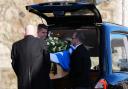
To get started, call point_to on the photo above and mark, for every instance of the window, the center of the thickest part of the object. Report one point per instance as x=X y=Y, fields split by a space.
x=119 y=46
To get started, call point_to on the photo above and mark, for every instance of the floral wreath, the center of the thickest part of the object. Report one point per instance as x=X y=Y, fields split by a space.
x=56 y=45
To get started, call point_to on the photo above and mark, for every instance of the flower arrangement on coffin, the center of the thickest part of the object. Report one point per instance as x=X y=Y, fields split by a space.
x=56 y=45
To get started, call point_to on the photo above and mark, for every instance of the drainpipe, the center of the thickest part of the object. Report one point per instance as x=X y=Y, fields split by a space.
x=123 y=12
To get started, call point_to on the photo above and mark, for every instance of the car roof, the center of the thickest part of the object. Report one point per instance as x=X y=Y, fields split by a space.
x=111 y=27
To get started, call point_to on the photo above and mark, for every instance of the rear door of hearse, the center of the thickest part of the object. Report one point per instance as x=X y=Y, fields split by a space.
x=66 y=13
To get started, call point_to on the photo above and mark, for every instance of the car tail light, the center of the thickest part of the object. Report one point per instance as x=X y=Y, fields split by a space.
x=102 y=84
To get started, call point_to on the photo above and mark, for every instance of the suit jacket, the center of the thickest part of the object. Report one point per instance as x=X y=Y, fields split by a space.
x=80 y=67
x=31 y=63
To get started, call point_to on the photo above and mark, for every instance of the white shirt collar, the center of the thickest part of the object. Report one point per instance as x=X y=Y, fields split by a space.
x=74 y=47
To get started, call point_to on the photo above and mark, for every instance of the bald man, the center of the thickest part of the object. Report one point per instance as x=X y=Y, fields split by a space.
x=29 y=62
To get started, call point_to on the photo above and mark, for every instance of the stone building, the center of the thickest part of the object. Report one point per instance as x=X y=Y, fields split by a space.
x=14 y=17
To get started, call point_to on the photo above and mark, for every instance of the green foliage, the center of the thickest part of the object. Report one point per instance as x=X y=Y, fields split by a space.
x=55 y=44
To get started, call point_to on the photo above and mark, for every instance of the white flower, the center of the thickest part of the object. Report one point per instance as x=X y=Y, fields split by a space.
x=52 y=43
x=48 y=43
x=55 y=38
x=50 y=38
x=55 y=44
x=59 y=48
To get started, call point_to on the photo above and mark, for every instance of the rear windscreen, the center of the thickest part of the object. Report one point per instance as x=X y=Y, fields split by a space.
x=81 y=12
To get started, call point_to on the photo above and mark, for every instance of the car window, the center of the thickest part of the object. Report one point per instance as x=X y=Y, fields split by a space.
x=82 y=12
x=119 y=47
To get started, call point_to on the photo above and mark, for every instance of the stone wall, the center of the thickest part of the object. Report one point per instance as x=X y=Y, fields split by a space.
x=115 y=11
x=13 y=19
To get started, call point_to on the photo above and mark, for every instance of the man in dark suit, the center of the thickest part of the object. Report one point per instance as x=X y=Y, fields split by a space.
x=80 y=63
x=42 y=31
x=30 y=61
